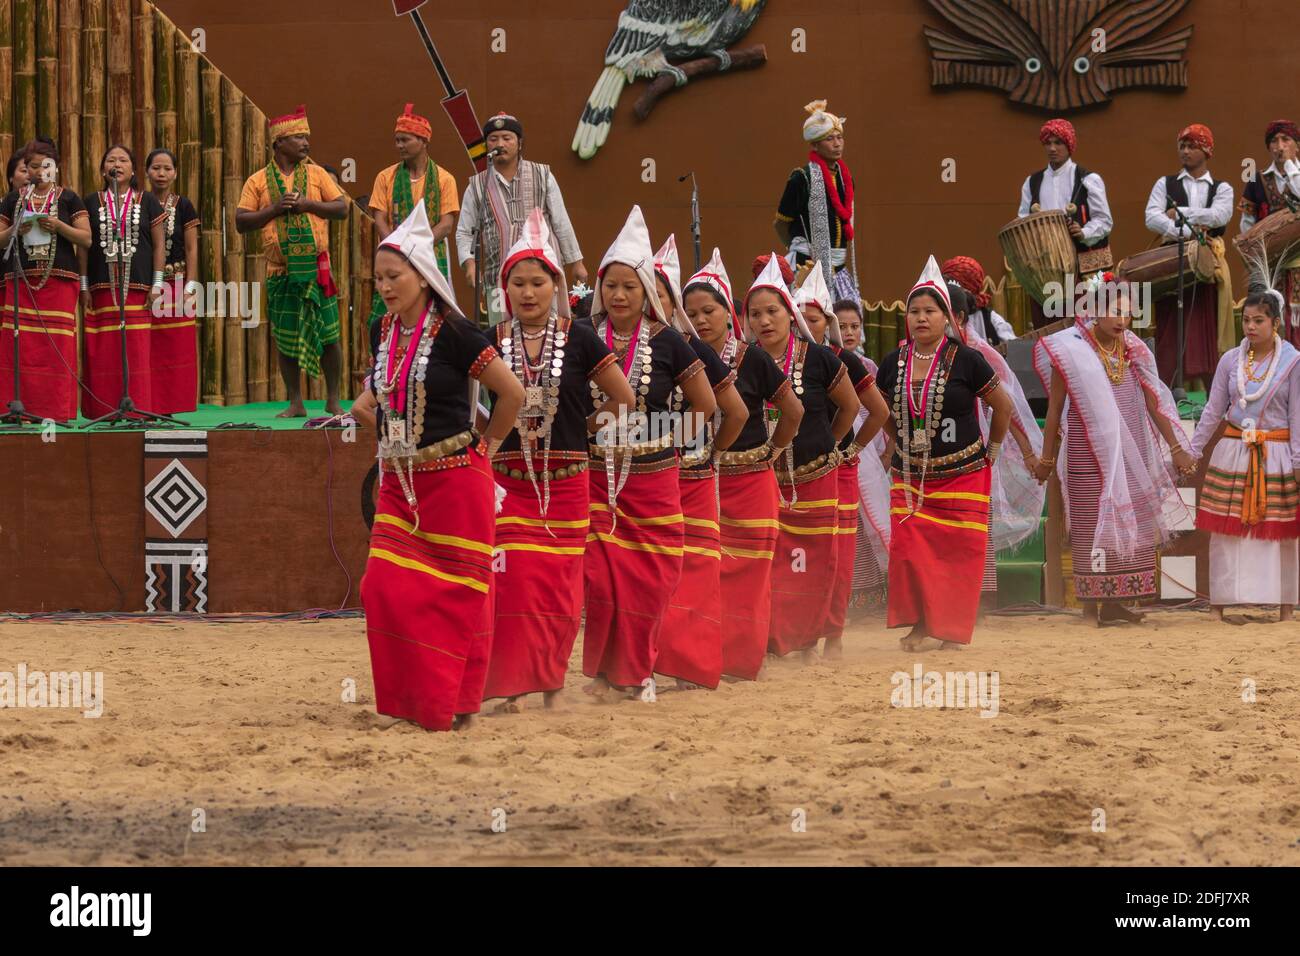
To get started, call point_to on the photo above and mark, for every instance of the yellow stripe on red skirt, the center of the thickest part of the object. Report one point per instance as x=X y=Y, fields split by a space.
x=47 y=325
x=846 y=546
x=427 y=594
x=804 y=565
x=631 y=569
x=749 y=525
x=102 y=366
x=690 y=641
x=538 y=584
x=936 y=554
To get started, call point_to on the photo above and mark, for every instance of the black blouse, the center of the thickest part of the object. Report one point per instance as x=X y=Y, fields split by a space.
x=861 y=378
x=759 y=380
x=185 y=219
x=585 y=357
x=151 y=212
x=967 y=376
x=672 y=363
x=459 y=353
x=814 y=371
x=69 y=208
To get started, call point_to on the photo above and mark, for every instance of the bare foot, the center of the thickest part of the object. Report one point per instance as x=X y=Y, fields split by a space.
x=1216 y=613
x=1286 y=612
x=551 y=699
x=951 y=646
x=511 y=705
x=1091 y=614
x=333 y=408
x=598 y=688
x=687 y=685
x=912 y=643
x=808 y=656
x=463 y=722
x=833 y=649
x=1117 y=612
x=295 y=410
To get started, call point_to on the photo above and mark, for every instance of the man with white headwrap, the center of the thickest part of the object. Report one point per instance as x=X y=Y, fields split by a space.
x=815 y=216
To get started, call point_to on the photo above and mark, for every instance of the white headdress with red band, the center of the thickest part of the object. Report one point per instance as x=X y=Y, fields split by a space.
x=535 y=243
x=814 y=292
x=631 y=249
x=714 y=275
x=669 y=267
x=932 y=278
x=414 y=239
x=771 y=278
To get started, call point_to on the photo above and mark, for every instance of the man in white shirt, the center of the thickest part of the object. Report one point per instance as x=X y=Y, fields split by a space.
x=1209 y=327
x=510 y=189
x=1066 y=185
x=1277 y=189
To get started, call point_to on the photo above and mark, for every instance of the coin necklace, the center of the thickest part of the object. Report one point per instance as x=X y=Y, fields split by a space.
x=401 y=371
x=541 y=383
x=925 y=412
x=638 y=354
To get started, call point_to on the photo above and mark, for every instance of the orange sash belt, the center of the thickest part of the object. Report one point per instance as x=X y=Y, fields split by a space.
x=1255 y=501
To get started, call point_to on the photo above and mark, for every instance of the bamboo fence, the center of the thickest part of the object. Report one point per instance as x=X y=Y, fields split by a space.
x=91 y=73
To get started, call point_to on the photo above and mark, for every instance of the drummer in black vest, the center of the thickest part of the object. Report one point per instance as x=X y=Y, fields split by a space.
x=1066 y=185
x=1209 y=326
x=1277 y=189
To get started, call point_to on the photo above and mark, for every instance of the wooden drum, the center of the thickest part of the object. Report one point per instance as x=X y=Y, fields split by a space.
x=1278 y=235
x=1039 y=251
x=1159 y=267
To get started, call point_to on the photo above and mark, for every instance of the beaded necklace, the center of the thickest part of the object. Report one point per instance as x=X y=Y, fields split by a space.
x=401 y=372
x=924 y=416
x=1245 y=373
x=44 y=253
x=541 y=383
x=169 y=207
x=638 y=353
x=796 y=351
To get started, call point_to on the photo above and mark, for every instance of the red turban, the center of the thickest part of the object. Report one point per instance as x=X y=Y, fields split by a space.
x=760 y=264
x=1281 y=126
x=1199 y=136
x=1062 y=130
x=411 y=123
x=970 y=275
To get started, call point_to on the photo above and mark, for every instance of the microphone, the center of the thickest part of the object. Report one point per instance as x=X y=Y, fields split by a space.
x=682 y=179
x=114 y=173
x=494 y=151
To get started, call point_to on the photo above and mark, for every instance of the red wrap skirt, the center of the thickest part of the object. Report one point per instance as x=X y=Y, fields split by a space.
x=47 y=328
x=102 y=374
x=690 y=643
x=174 y=355
x=805 y=565
x=537 y=584
x=427 y=594
x=936 y=556
x=846 y=539
x=749 y=533
x=631 y=569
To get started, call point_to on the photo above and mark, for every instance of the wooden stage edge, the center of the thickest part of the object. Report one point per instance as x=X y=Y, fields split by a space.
x=241 y=520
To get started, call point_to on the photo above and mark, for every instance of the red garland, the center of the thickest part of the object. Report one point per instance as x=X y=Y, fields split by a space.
x=843 y=208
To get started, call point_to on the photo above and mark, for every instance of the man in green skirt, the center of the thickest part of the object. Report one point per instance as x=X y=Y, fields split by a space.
x=290 y=201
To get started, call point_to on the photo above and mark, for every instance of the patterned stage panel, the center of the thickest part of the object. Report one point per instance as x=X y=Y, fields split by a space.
x=176 y=520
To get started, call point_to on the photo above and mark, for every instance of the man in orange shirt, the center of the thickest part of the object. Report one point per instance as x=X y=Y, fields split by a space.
x=289 y=201
x=417 y=178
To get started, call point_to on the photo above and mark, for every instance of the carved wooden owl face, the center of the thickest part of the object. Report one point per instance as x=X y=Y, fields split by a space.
x=1058 y=54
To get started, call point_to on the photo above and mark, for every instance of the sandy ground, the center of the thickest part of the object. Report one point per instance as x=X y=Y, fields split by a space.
x=246 y=723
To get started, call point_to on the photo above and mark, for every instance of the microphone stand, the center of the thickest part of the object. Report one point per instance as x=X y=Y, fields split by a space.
x=695 y=215
x=1180 y=221
x=18 y=415
x=126 y=411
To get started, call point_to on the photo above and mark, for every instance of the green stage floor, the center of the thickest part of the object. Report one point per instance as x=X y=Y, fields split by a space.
x=207 y=417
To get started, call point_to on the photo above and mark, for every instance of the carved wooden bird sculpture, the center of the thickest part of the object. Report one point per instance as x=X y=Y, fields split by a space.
x=651 y=35
x=1059 y=54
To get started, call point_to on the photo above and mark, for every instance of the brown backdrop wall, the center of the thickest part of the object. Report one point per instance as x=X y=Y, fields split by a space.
x=355 y=64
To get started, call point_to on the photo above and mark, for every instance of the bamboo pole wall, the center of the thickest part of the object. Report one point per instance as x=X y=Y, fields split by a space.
x=90 y=73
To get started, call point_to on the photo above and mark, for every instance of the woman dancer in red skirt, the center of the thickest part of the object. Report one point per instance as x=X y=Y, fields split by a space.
x=427 y=589
x=541 y=530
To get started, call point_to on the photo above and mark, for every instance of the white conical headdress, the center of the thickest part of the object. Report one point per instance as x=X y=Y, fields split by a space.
x=414 y=239
x=714 y=275
x=669 y=267
x=535 y=243
x=813 y=291
x=771 y=278
x=631 y=249
x=932 y=278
